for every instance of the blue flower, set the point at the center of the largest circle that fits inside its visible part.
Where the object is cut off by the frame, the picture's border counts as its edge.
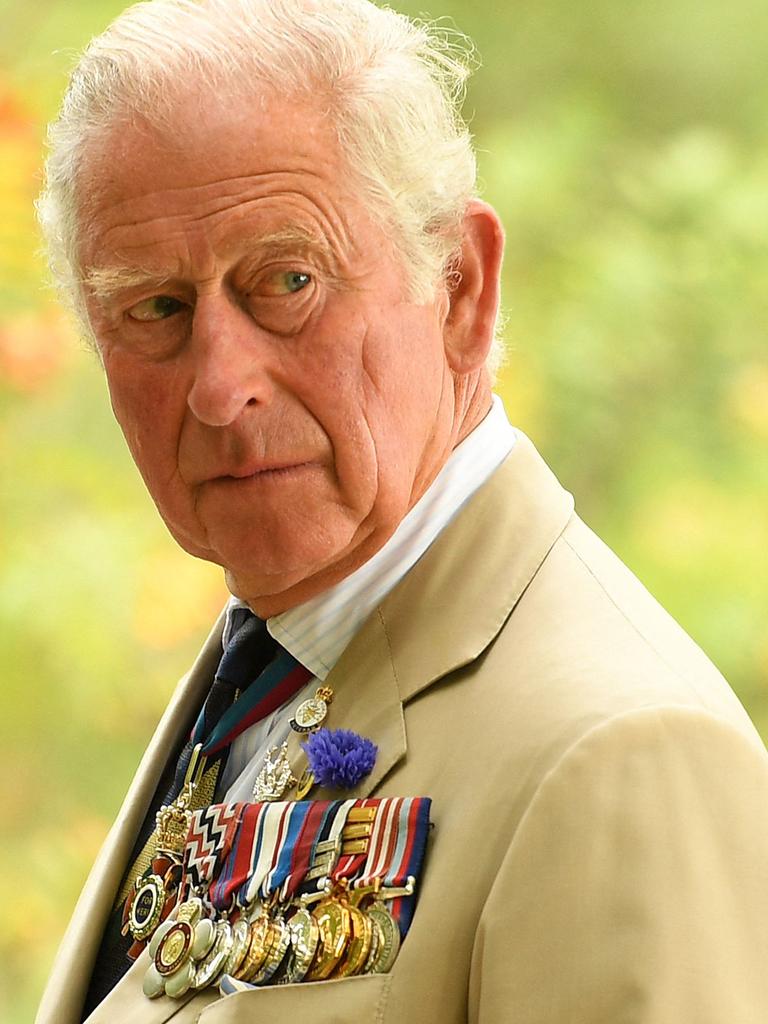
(339, 758)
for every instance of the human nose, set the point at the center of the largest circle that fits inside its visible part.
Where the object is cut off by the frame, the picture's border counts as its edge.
(230, 360)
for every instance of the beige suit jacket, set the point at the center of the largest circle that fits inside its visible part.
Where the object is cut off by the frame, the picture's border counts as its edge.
(599, 795)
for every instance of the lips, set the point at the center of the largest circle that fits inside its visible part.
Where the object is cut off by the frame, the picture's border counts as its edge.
(262, 470)
(258, 468)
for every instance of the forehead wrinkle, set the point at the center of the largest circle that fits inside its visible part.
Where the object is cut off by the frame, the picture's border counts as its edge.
(219, 195)
(218, 220)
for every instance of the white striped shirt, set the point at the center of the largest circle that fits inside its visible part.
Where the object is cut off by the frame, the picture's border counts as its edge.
(317, 631)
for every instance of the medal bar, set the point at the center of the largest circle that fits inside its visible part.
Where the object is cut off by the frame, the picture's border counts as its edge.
(281, 892)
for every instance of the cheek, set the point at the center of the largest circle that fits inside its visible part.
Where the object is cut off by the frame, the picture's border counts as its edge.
(146, 405)
(375, 387)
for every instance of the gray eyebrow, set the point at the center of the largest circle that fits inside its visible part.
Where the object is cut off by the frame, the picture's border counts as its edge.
(106, 281)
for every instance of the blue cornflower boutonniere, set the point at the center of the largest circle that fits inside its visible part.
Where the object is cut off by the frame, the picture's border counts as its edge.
(339, 758)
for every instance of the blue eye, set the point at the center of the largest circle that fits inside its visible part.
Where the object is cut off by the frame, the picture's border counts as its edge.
(159, 307)
(283, 282)
(295, 280)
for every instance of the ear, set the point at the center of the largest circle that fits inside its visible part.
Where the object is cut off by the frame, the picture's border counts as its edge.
(474, 296)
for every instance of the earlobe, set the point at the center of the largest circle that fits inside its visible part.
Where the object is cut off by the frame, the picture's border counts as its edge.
(474, 288)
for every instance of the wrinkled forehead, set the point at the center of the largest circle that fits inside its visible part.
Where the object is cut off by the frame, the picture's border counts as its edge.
(201, 135)
(209, 154)
(222, 182)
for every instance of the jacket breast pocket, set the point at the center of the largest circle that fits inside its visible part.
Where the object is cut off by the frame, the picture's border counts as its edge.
(359, 1000)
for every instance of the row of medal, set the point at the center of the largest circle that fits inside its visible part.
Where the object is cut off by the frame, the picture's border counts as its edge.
(283, 892)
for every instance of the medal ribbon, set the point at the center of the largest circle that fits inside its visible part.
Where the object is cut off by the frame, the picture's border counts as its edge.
(312, 828)
(263, 857)
(348, 866)
(413, 829)
(272, 848)
(280, 680)
(209, 840)
(383, 841)
(293, 826)
(334, 832)
(333, 820)
(244, 853)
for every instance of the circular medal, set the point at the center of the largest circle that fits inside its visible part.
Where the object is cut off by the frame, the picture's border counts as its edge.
(241, 937)
(258, 948)
(305, 935)
(311, 713)
(174, 947)
(359, 945)
(376, 941)
(334, 924)
(146, 906)
(278, 944)
(212, 964)
(381, 961)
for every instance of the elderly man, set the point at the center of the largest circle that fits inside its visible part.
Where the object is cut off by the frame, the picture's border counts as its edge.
(265, 215)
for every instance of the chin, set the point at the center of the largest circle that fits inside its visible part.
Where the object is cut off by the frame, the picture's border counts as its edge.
(277, 562)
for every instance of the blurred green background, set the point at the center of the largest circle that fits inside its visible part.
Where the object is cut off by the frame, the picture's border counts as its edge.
(626, 146)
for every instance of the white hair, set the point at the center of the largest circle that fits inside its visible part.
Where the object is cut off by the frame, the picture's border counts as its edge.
(393, 88)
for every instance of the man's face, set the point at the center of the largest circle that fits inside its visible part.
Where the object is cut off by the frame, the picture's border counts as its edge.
(283, 399)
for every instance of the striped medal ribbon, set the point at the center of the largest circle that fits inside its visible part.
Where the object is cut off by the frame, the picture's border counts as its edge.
(211, 833)
(292, 831)
(406, 862)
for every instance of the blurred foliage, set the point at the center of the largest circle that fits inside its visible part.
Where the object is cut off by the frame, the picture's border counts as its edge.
(626, 146)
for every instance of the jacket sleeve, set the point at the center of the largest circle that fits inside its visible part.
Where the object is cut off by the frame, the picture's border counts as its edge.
(635, 890)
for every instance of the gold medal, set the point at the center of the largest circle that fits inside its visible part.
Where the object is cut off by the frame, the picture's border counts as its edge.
(311, 713)
(279, 940)
(335, 927)
(258, 948)
(174, 947)
(359, 944)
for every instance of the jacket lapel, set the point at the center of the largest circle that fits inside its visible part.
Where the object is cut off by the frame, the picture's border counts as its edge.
(454, 601)
(448, 608)
(367, 701)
